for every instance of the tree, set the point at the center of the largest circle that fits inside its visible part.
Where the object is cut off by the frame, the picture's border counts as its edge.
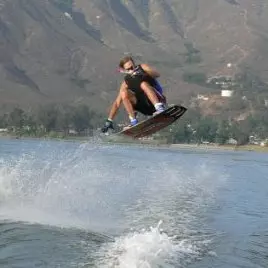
(182, 134)
(47, 116)
(260, 126)
(64, 118)
(17, 118)
(4, 121)
(241, 131)
(206, 130)
(81, 118)
(223, 132)
(31, 124)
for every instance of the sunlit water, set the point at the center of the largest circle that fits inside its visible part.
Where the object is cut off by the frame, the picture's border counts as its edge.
(67, 204)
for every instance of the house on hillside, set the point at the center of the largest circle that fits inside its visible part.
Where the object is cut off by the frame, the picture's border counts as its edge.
(231, 141)
(202, 97)
(254, 140)
(219, 79)
(223, 82)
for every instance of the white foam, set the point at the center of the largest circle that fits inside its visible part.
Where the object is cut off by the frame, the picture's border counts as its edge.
(146, 249)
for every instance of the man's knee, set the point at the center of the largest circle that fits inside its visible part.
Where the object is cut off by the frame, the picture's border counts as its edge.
(145, 85)
(127, 95)
(124, 95)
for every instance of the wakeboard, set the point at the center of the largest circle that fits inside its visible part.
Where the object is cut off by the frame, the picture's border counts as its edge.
(155, 123)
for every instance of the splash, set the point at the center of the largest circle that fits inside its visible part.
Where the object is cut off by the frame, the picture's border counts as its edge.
(147, 249)
(59, 184)
(180, 198)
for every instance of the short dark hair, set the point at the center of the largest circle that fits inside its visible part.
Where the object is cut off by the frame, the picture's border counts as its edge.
(125, 60)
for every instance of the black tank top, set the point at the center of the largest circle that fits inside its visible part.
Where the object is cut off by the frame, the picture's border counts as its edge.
(134, 81)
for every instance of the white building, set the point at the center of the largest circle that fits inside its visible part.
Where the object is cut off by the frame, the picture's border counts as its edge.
(226, 93)
(68, 15)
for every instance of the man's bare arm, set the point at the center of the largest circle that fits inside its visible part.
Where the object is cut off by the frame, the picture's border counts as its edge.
(151, 71)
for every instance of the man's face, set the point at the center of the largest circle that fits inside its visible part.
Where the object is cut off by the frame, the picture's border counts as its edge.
(129, 66)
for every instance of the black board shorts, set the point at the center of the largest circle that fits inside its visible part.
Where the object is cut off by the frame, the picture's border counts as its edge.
(143, 104)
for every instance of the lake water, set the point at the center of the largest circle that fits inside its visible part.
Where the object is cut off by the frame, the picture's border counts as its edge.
(71, 204)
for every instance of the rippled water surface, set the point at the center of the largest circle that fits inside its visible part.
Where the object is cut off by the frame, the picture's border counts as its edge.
(71, 204)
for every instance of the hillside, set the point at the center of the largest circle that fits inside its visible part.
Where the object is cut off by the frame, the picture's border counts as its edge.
(47, 55)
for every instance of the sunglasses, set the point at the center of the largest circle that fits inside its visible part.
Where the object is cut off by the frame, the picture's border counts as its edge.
(130, 68)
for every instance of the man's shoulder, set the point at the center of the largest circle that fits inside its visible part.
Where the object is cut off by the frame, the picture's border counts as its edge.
(144, 65)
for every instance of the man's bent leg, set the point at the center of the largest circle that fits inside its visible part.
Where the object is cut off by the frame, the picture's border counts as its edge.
(151, 94)
(129, 100)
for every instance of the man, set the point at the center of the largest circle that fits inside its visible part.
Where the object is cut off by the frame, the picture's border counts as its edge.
(139, 92)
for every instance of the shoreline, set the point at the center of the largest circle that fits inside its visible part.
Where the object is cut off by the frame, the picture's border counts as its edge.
(154, 143)
(246, 147)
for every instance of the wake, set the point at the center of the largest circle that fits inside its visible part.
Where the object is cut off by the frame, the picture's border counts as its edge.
(152, 202)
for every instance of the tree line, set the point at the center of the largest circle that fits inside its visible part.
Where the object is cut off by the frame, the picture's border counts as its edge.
(50, 120)
(195, 128)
